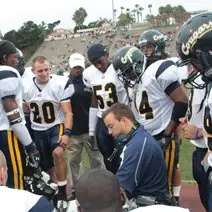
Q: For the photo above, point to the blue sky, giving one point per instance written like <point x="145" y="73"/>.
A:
<point x="49" y="11"/>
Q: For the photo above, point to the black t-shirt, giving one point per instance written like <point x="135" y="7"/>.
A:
<point x="81" y="101"/>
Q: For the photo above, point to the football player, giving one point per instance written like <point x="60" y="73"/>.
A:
<point x="194" y="46"/>
<point x="14" y="135"/>
<point x="24" y="72"/>
<point x="152" y="44"/>
<point x="47" y="99"/>
<point x="107" y="90"/>
<point x="159" y="98"/>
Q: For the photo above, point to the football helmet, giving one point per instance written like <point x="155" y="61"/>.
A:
<point x="7" y="48"/>
<point x="155" y="38"/>
<point x="21" y="62"/>
<point x="129" y="63"/>
<point x="194" y="46"/>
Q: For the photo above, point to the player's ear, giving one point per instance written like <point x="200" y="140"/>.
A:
<point x="123" y="196"/>
<point x="5" y="57"/>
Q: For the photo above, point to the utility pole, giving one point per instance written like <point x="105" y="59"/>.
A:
<point x="113" y="14"/>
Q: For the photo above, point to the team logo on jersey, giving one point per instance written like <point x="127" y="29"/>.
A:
<point x="128" y="55"/>
<point x="197" y="34"/>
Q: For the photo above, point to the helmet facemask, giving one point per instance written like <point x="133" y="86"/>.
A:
<point x="200" y="66"/>
<point x="132" y="74"/>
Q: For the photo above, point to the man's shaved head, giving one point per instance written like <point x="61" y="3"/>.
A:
<point x="98" y="190"/>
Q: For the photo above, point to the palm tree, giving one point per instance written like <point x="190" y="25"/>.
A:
<point x="150" y="8"/>
<point x="79" y="16"/>
<point x="141" y="10"/>
<point x="133" y="12"/>
<point x="122" y="8"/>
<point x="114" y="13"/>
<point x="137" y="11"/>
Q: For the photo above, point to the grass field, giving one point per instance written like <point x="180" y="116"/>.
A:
<point x="185" y="161"/>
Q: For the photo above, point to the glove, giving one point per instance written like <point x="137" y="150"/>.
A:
<point x="33" y="154"/>
<point x="165" y="141"/>
<point x="92" y="143"/>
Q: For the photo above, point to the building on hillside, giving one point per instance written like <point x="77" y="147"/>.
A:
<point x="89" y="30"/>
<point x="60" y="34"/>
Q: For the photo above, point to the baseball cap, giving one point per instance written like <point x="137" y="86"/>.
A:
<point x="96" y="51"/>
<point x="7" y="47"/>
<point x="76" y="59"/>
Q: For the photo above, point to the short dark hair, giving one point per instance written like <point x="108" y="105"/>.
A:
<point x="98" y="190"/>
<point x="119" y="111"/>
<point x="40" y="59"/>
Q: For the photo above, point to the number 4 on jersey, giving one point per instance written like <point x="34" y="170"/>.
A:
<point x="145" y="108"/>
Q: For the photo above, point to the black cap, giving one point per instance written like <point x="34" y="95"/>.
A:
<point x="96" y="51"/>
<point x="7" y="47"/>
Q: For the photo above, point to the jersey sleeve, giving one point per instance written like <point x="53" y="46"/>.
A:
<point x="68" y="91"/>
<point x="24" y="89"/>
<point x="10" y="84"/>
<point x="168" y="77"/>
<point x="86" y="79"/>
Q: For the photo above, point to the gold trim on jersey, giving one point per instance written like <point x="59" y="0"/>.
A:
<point x="15" y="160"/>
<point x="170" y="164"/>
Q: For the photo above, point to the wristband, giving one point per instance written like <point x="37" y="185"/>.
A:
<point x="197" y="132"/>
<point x="67" y="132"/>
<point x="93" y="118"/>
<point x="22" y="133"/>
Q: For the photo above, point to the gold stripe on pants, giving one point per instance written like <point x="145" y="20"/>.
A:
<point x="170" y="164"/>
<point x="15" y="160"/>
